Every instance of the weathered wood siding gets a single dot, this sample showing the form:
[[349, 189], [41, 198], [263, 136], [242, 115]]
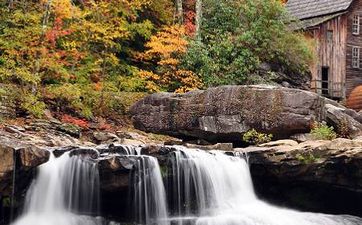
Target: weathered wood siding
[[354, 75], [331, 53]]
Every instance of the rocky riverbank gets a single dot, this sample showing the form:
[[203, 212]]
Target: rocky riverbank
[[302, 173], [323, 176]]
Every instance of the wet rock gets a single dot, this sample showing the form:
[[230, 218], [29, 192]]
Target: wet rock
[[23, 160], [6, 162], [92, 153], [60, 151], [114, 173], [31, 157], [224, 114]]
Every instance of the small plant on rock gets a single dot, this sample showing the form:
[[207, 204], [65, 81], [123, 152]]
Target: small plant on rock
[[321, 131], [254, 137]]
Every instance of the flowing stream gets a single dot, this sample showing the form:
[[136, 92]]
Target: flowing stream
[[203, 188]]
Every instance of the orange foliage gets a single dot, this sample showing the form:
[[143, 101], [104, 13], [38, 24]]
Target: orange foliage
[[165, 48]]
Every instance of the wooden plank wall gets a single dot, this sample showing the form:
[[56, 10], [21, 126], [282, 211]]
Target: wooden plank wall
[[353, 75], [332, 53]]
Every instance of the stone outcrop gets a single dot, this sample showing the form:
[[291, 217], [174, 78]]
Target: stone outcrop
[[224, 113], [19, 162], [313, 175], [337, 162]]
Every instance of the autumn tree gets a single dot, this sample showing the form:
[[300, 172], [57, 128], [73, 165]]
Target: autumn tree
[[165, 50]]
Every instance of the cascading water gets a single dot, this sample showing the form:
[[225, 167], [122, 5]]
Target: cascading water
[[149, 193], [149, 196], [216, 189], [64, 193], [205, 188]]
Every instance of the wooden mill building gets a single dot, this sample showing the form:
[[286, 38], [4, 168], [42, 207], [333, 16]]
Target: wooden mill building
[[335, 25]]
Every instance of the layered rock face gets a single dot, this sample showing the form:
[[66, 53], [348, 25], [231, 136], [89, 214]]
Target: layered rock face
[[225, 113], [313, 175]]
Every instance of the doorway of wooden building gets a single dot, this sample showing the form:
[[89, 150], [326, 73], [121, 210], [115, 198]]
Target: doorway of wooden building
[[325, 80]]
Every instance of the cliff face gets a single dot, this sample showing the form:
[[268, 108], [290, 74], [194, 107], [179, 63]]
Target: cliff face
[[224, 114]]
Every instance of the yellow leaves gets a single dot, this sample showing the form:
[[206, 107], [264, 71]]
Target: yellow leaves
[[136, 4], [166, 48], [189, 80], [169, 61], [151, 80], [169, 41], [62, 8]]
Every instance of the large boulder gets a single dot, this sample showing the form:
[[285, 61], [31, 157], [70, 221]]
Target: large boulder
[[225, 113]]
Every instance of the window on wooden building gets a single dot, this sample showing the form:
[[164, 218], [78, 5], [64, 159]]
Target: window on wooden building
[[330, 36], [355, 25], [355, 57]]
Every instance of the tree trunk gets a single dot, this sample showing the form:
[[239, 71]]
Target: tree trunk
[[179, 11], [198, 10], [10, 4]]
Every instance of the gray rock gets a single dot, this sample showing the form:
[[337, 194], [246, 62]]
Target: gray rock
[[343, 121], [101, 137], [70, 129], [225, 113]]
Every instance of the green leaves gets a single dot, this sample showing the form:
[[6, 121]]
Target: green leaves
[[239, 35]]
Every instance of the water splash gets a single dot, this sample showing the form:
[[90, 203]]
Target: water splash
[[212, 188]]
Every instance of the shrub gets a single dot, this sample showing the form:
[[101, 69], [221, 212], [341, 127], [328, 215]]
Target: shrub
[[322, 131], [237, 36], [255, 138], [32, 105], [22, 101], [91, 100]]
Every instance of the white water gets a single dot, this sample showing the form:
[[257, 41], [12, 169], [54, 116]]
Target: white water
[[149, 196], [207, 189], [65, 190], [223, 190], [149, 192]]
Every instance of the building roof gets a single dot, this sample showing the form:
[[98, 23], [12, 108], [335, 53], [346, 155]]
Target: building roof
[[311, 22], [303, 9]]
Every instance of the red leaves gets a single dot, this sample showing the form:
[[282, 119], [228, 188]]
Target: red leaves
[[75, 121], [189, 17], [52, 35]]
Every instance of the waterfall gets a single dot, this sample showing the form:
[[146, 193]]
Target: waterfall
[[149, 196], [64, 193], [204, 188], [213, 188], [149, 193]]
